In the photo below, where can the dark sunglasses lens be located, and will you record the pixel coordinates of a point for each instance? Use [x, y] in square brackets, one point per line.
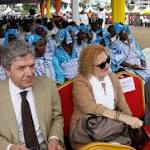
[102, 65]
[108, 60]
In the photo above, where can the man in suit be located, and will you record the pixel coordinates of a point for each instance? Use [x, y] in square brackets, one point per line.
[42, 97]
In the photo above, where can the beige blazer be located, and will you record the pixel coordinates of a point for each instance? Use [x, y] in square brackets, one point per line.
[84, 101]
[48, 109]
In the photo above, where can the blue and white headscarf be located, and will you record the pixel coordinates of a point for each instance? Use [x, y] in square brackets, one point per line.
[13, 32]
[103, 37]
[44, 27]
[84, 28]
[121, 27]
[32, 38]
[64, 34]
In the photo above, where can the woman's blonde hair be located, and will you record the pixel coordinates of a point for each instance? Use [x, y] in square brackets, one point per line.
[87, 58]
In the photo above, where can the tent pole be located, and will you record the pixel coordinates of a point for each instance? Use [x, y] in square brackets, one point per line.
[118, 11]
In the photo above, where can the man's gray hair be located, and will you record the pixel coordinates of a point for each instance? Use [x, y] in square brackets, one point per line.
[15, 49]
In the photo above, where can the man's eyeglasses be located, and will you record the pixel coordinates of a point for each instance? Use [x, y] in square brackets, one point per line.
[103, 64]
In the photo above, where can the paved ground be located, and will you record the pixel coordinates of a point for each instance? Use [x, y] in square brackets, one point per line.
[142, 34]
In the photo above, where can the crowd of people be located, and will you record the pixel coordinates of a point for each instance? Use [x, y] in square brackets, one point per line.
[36, 54]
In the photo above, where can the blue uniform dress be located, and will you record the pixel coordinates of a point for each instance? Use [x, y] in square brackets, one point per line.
[44, 68]
[121, 52]
[3, 75]
[52, 62]
[68, 63]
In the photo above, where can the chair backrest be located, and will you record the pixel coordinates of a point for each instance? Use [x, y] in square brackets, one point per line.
[135, 98]
[105, 146]
[65, 92]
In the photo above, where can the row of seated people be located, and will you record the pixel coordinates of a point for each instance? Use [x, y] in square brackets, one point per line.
[57, 56]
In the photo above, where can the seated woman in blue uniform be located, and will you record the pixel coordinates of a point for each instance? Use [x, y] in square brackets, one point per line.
[43, 67]
[67, 53]
[126, 55]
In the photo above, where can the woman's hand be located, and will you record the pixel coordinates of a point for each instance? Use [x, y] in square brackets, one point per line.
[53, 144]
[134, 122]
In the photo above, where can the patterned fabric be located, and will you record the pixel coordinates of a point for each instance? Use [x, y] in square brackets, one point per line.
[84, 28]
[121, 27]
[44, 67]
[13, 32]
[63, 56]
[3, 75]
[50, 46]
[102, 37]
[58, 71]
[66, 61]
[117, 57]
[32, 38]
[70, 68]
[65, 34]
[52, 62]
[137, 47]
[121, 52]
[62, 34]
[44, 27]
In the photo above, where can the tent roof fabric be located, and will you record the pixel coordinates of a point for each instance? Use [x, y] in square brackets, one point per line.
[16, 1]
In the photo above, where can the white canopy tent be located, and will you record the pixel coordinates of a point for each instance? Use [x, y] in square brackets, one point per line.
[90, 8]
[80, 9]
[67, 1]
[136, 10]
[53, 9]
[109, 11]
[146, 11]
[68, 9]
[8, 11]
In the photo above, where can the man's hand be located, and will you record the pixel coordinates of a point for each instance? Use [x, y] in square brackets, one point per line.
[17, 147]
[53, 144]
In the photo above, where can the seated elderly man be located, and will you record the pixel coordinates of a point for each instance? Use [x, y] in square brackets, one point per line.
[30, 110]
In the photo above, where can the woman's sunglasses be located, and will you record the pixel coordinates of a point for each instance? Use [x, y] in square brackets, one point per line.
[103, 64]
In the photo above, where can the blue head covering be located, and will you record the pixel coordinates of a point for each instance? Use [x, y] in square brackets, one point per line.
[73, 29]
[102, 36]
[13, 32]
[84, 28]
[64, 33]
[32, 38]
[44, 27]
[120, 27]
